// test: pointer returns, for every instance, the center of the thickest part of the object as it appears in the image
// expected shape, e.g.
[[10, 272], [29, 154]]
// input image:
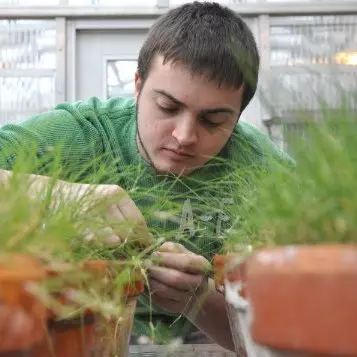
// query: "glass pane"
[[27, 68], [23, 97], [27, 44], [293, 91], [120, 77], [313, 59], [310, 40]]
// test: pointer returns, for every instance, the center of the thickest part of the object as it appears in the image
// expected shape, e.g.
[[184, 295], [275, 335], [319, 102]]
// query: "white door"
[[106, 62]]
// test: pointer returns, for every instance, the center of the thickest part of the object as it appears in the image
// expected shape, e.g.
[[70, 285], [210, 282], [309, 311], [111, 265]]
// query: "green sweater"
[[106, 130]]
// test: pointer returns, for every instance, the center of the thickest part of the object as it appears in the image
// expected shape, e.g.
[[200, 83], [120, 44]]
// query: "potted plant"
[[88, 326], [291, 289], [64, 270]]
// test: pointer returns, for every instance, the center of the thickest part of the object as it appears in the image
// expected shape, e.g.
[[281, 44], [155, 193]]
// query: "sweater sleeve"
[[258, 147], [70, 133]]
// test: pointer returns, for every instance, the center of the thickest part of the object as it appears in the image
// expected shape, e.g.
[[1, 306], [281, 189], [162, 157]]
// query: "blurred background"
[[64, 50]]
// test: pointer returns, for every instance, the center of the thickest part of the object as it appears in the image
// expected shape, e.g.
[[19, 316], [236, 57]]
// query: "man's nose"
[[185, 131]]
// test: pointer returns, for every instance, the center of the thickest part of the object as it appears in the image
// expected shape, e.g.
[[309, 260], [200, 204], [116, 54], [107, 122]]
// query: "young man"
[[197, 71]]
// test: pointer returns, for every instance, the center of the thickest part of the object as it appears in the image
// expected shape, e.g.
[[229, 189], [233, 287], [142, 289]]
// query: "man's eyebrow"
[[169, 96], [218, 111], [203, 112]]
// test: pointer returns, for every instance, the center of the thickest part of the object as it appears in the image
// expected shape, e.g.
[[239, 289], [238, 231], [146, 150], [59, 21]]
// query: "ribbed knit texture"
[[106, 129]]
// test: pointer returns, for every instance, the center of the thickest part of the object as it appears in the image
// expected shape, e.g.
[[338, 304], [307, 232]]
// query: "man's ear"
[[138, 85]]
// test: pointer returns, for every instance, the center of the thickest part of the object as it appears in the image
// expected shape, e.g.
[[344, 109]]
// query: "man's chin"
[[164, 168]]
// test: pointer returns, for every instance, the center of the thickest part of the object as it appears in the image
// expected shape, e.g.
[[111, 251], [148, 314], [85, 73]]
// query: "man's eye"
[[208, 123], [167, 109]]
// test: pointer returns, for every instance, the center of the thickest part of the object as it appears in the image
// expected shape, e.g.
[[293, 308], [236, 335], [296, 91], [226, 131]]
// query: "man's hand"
[[122, 220], [116, 219], [179, 284], [178, 279]]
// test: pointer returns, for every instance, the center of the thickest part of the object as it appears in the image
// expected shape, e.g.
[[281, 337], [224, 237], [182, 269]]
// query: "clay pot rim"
[[98, 264], [134, 287], [230, 263], [26, 267]]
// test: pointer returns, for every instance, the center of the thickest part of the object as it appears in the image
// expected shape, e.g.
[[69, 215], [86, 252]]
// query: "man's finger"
[[172, 247], [128, 224], [114, 214], [129, 210], [175, 279], [158, 289], [189, 263], [103, 235], [121, 215], [171, 305]]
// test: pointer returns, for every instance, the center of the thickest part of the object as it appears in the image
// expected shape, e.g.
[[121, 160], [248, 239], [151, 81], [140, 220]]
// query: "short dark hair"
[[209, 39]]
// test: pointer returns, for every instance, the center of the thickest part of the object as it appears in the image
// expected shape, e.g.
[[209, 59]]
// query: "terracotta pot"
[[22, 316], [228, 267], [134, 287], [69, 337], [112, 337], [304, 298], [89, 334]]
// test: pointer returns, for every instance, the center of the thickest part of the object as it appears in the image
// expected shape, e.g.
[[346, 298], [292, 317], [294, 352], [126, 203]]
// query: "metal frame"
[[61, 60], [120, 23], [264, 48], [27, 72], [70, 60], [76, 12]]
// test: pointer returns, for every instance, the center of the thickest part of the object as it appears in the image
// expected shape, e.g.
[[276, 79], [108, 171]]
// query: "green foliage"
[[46, 220], [313, 202]]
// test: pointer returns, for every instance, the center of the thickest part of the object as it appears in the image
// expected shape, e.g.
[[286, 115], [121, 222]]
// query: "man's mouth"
[[179, 153]]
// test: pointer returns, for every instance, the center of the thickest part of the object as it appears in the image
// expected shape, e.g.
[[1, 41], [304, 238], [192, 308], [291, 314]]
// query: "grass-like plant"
[[65, 226], [310, 202]]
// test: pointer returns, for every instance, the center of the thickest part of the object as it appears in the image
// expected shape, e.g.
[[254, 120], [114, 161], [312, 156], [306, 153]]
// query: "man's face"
[[184, 120]]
